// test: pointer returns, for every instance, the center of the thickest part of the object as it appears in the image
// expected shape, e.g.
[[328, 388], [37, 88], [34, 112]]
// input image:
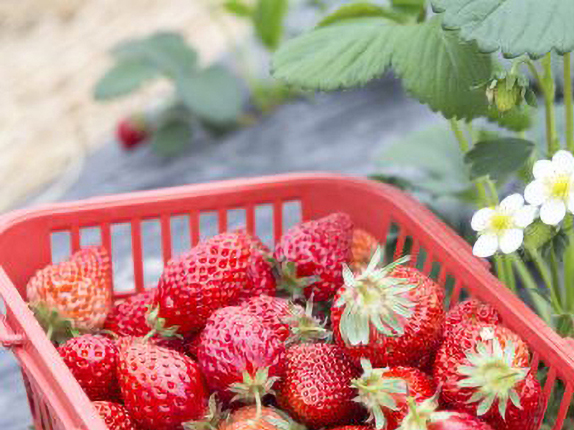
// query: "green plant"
[[207, 95], [444, 53]]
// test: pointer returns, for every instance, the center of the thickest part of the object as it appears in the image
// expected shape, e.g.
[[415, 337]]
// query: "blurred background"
[[106, 96]]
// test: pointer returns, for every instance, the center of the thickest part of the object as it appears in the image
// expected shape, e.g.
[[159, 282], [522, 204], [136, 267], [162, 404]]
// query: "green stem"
[[568, 102], [568, 266], [462, 142], [549, 91], [531, 286], [50, 332], [501, 269], [554, 271], [509, 273], [258, 407]]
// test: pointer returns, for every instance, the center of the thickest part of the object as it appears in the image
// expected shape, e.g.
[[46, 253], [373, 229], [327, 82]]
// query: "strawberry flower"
[[553, 187], [502, 227]]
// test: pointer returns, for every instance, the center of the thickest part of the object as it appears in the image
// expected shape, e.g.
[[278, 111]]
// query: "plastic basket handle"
[[8, 339]]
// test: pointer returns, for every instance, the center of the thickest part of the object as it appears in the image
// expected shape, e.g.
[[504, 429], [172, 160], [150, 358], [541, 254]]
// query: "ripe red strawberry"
[[132, 131], [245, 418], [128, 317], [240, 354], [424, 416], [92, 359], [310, 256], [363, 246], [75, 294], [274, 312], [316, 389], [392, 316], [207, 278], [483, 370], [473, 311], [352, 428], [161, 388], [115, 416], [384, 392], [260, 276]]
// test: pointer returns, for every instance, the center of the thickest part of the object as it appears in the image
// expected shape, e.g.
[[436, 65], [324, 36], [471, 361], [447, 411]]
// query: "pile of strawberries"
[[229, 340]]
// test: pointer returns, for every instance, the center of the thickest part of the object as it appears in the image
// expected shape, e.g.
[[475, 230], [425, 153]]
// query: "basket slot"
[[194, 228], [90, 236], [456, 292], [208, 225], [291, 214], [235, 219], [165, 238], [137, 254], [429, 265], [564, 407], [277, 221], [548, 387], [122, 256], [180, 238], [264, 223], [60, 246], [416, 254], [75, 238], [401, 239], [151, 256]]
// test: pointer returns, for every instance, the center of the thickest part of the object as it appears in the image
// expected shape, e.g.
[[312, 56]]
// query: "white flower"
[[553, 187], [501, 227]]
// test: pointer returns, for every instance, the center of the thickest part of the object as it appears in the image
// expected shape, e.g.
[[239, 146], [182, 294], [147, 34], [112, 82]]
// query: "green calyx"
[[419, 415], [285, 422], [492, 375], [254, 388], [374, 298], [158, 327], [305, 327], [378, 392], [57, 328], [213, 417], [287, 279], [507, 91]]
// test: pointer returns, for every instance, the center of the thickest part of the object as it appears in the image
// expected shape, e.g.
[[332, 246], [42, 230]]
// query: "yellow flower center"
[[500, 222], [560, 187]]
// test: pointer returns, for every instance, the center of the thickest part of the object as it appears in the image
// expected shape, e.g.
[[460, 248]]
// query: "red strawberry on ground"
[[316, 389], [473, 311], [309, 256], [207, 278], [363, 246], [393, 316], [240, 355], [424, 416], [483, 370], [128, 317], [384, 392], [132, 131], [92, 359], [73, 295], [260, 276], [161, 388], [115, 416]]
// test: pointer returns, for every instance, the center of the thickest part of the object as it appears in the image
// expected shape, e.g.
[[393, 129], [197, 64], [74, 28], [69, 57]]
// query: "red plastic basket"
[[57, 401]]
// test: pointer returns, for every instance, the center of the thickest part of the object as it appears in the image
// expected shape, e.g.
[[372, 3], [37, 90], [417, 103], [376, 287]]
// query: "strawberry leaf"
[[498, 158], [125, 77], [515, 27], [268, 19], [212, 94], [362, 10], [171, 137]]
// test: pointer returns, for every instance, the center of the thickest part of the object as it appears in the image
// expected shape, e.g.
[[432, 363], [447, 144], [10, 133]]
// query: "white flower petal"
[[542, 168], [486, 245], [535, 193], [511, 240], [563, 162], [512, 203], [525, 216], [481, 219], [552, 211]]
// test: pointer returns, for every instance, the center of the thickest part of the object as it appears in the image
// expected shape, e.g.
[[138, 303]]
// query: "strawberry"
[[207, 278], [260, 276], [161, 388], [240, 354], [424, 416], [363, 246], [352, 428], [92, 359], [483, 370], [316, 389], [384, 392], [128, 317], [115, 416], [132, 131], [309, 256], [470, 311], [246, 418], [393, 316], [73, 295]]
